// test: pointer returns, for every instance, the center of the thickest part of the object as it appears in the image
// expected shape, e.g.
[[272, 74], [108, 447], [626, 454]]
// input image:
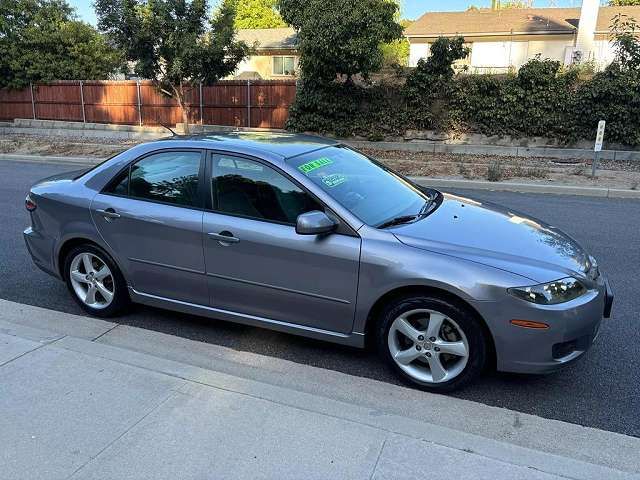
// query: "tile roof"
[[520, 20], [270, 38]]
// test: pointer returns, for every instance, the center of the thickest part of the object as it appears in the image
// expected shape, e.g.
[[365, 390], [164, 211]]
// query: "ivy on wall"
[[543, 98]]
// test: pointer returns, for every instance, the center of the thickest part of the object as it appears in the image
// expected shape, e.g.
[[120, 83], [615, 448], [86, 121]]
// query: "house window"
[[284, 65]]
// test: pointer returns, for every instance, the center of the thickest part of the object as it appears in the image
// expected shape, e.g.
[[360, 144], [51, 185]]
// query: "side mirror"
[[314, 223]]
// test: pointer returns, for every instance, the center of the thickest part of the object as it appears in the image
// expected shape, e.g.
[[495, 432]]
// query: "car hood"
[[492, 235]]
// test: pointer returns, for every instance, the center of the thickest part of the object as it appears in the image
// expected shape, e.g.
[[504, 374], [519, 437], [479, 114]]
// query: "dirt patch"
[[69, 147], [610, 174]]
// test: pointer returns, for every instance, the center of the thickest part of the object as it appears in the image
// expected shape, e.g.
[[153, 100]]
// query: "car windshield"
[[368, 190]]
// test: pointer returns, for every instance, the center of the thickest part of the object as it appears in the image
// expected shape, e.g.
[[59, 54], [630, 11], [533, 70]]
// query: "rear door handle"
[[109, 214], [224, 238]]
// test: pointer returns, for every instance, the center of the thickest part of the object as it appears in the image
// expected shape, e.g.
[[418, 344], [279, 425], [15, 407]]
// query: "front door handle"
[[224, 238], [109, 214]]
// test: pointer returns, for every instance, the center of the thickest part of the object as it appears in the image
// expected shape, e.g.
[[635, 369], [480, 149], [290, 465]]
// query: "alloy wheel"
[[92, 280], [428, 346]]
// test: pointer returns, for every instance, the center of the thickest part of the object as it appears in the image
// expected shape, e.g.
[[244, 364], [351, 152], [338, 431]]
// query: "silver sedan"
[[305, 235]]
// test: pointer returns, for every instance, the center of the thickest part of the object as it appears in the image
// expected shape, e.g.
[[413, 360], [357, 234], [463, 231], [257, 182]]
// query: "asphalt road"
[[602, 390]]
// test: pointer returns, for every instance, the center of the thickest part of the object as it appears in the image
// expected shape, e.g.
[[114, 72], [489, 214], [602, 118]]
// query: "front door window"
[[251, 189]]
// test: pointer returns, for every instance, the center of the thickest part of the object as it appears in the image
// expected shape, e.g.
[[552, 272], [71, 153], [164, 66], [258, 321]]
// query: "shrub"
[[495, 171], [614, 96], [541, 99], [347, 109], [429, 87], [535, 102]]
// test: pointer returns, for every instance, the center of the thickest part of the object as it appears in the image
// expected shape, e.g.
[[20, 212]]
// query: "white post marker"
[[597, 148]]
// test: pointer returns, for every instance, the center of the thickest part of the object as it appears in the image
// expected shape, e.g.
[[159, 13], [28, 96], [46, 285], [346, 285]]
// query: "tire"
[[460, 348], [81, 282]]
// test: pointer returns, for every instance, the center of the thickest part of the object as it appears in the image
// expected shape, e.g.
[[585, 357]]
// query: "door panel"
[[272, 272], [256, 264], [160, 246]]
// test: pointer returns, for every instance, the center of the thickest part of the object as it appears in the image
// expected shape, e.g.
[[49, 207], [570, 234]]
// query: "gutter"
[[504, 34], [491, 34]]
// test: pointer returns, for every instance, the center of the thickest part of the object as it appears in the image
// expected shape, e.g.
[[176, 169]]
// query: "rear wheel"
[[95, 281], [433, 343]]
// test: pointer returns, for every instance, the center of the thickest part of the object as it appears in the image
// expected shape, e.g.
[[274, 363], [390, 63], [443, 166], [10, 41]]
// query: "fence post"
[[139, 102], [248, 103], [33, 102], [84, 115], [201, 105]]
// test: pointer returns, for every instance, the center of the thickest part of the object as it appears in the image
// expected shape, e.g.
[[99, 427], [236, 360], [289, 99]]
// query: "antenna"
[[173, 134]]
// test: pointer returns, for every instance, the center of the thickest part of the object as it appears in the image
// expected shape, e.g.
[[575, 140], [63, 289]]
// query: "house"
[[274, 56], [501, 40]]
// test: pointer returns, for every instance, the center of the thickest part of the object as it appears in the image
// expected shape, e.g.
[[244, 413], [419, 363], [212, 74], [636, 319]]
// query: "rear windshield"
[[367, 189], [82, 173]]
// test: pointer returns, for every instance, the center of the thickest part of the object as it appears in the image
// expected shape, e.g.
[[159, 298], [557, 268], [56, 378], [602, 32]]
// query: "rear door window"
[[168, 177]]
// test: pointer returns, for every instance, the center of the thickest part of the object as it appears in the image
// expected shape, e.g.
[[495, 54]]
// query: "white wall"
[[499, 56], [516, 53], [490, 54], [416, 52], [553, 49], [604, 52]]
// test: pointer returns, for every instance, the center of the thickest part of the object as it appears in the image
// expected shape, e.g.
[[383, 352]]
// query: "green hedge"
[[542, 99]]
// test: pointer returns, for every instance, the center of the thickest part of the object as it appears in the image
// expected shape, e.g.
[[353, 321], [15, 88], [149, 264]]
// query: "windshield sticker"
[[334, 180], [315, 164]]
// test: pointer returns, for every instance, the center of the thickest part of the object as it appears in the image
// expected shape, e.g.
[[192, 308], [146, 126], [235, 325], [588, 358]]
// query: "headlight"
[[551, 293]]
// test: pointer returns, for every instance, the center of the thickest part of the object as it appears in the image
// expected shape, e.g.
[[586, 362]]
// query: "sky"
[[411, 8]]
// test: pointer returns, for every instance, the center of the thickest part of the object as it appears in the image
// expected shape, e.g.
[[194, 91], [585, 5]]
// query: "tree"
[[397, 52], [341, 37], [258, 14], [431, 82], [624, 34], [174, 43], [623, 3], [40, 41]]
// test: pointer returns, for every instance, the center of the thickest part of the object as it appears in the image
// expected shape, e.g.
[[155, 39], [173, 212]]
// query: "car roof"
[[283, 145]]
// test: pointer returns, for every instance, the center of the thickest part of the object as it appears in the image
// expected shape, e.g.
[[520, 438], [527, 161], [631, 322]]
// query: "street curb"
[[602, 192], [14, 157]]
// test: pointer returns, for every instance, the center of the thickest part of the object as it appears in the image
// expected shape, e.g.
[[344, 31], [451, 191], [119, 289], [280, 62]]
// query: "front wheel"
[[95, 281], [433, 343]]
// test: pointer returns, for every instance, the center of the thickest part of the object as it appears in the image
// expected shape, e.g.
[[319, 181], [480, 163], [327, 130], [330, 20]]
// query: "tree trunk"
[[184, 108]]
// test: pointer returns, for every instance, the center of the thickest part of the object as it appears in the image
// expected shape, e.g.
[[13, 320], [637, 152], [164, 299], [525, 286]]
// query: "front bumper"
[[573, 328]]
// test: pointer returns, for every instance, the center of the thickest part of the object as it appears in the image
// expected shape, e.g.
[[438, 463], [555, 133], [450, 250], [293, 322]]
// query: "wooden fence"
[[240, 103]]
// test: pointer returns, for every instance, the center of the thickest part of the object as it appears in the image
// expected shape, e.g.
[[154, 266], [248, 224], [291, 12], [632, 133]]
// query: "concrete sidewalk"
[[84, 398]]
